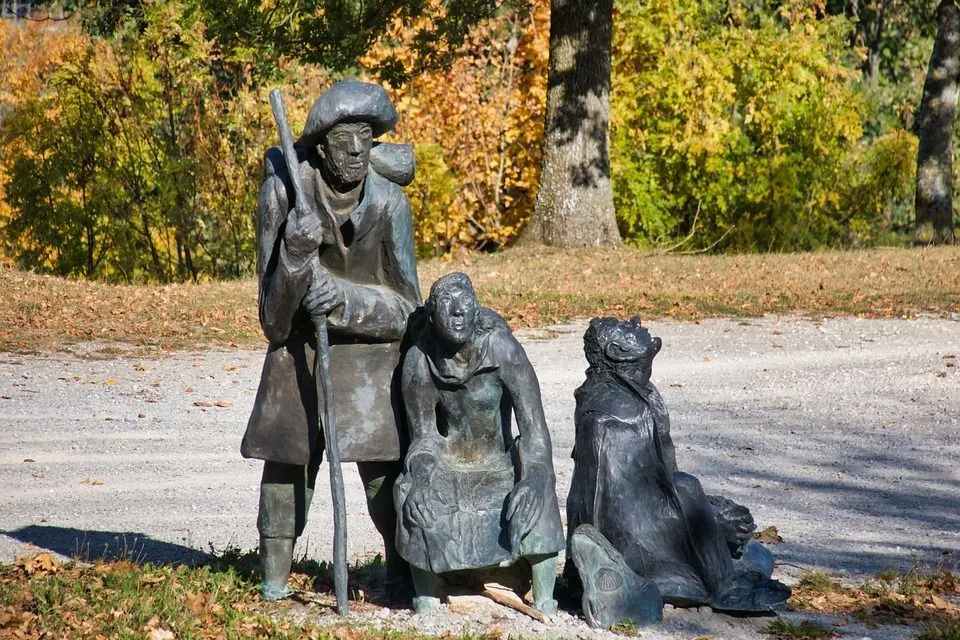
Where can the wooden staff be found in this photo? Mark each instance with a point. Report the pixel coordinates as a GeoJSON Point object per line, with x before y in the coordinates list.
{"type": "Point", "coordinates": [321, 369]}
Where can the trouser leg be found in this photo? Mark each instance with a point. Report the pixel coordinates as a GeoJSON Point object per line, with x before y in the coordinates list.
{"type": "Point", "coordinates": [544, 577]}
{"type": "Point", "coordinates": [285, 494]}
{"type": "Point", "coordinates": [378, 479]}
{"type": "Point", "coordinates": [428, 588]}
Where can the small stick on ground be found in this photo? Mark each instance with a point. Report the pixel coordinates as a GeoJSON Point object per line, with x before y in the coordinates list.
{"type": "Point", "coordinates": [508, 598]}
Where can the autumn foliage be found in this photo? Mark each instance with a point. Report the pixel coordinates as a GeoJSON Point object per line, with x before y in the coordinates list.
{"type": "Point", "coordinates": [133, 158]}
{"type": "Point", "coordinates": [477, 126]}
{"type": "Point", "coordinates": [137, 156]}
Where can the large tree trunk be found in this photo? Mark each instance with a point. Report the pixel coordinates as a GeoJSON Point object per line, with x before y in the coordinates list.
{"type": "Point", "coordinates": [575, 202]}
{"type": "Point", "coordinates": [938, 108]}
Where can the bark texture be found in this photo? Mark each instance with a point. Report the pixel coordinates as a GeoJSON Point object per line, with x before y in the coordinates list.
{"type": "Point", "coordinates": [938, 108]}
{"type": "Point", "coordinates": [575, 203]}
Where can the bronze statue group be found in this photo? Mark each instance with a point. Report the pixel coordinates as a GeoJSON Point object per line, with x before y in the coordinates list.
{"type": "Point", "coordinates": [441, 410]}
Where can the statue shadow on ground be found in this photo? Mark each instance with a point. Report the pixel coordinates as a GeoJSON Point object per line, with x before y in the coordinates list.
{"type": "Point", "coordinates": [923, 498]}
{"type": "Point", "coordinates": [90, 545]}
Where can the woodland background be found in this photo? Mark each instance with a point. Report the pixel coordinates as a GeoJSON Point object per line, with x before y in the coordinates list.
{"type": "Point", "coordinates": [132, 135]}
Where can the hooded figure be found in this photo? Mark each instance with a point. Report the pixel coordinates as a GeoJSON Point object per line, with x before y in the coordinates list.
{"type": "Point", "coordinates": [643, 514]}
{"type": "Point", "coordinates": [366, 294]}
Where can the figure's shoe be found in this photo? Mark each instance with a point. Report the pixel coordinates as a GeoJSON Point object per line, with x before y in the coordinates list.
{"type": "Point", "coordinates": [612, 592]}
{"type": "Point", "coordinates": [271, 592]}
{"type": "Point", "coordinates": [750, 592]}
{"type": "Point", "coordinates": [547, 607]}
{"type": "Point", "coordinates": [276, 556]}
{"type": "Point", "coordinates": [425, 605]}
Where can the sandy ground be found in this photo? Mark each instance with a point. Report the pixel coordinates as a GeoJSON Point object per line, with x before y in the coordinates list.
{"type": "Point", "coordinates": [842, 433]}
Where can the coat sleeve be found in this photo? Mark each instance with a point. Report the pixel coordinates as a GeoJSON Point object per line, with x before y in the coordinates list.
{"type": "Point", "coordinates": [662, 421]}
{"type": "Point", "coordinates": [381, 311]}
{"type": "Point", "coordinates": [520, 381]}
{"type": "Point", "coordinates": [420, 400]}
{"type": "Point", "coordinates": [282, 282]}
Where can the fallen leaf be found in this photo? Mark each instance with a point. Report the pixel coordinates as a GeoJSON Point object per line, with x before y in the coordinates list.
{"type": "Point", "coordinates": [42, 563]}
{"type": "Point", "coordinates": [92, 482]}
{"type": "Point", "coordinates": [161, 634]}
{"type": "Point", "coordinates": [196, 602]}
{"type": "Point", "coordinates": [770, 535]}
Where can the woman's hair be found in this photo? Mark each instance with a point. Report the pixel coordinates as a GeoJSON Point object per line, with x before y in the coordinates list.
{"type": "Point", "coordinates": [443, 284]}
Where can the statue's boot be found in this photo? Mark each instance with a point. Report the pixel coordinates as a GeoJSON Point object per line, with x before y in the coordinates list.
{"type": "Point", "coordinates": [543, 571]}
{"type": "Point", "coordinates": [750, 592]}
{"type": "Point", "coordinates": [612, 592]}
{"type": "Point", "coordinates": [428, 591]}
{"type": "Point", "coordinates": [276, 556]}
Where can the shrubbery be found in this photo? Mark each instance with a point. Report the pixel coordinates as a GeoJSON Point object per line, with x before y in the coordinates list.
{"type": "Point", "coordinates": [745, 130]}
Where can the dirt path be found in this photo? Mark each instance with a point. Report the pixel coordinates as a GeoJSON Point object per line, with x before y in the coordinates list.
{"type": "Point", "coordinates": [844, 434]}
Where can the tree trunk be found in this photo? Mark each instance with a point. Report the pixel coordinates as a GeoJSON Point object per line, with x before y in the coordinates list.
{"type": "Point", "coordinates": [938, 108]}
{"type": "Point", "coordinates": [575, 203]}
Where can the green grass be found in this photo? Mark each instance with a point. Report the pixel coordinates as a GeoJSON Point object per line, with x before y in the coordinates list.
{"type": "Point", "coordinates": [946, 630]}
{"type": "Point", "coordinates": [625, 628]}
{"type": "Point", "coordinates": [805, 630]}
{"type": "Point", "coordinates": [818, 582]}
{"type": "Point", "coordinates": [121, 599]}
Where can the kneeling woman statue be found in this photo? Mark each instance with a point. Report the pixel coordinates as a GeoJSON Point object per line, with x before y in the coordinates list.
{"type": "Point", "coordinates": [472, 496]}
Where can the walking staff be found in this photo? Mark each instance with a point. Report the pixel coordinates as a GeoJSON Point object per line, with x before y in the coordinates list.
{"type": "Point", "coordinates": [321, 370]}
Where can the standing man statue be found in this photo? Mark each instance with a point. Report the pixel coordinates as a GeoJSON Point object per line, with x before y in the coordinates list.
{"type": "Point", "coordinates": [366, 293]}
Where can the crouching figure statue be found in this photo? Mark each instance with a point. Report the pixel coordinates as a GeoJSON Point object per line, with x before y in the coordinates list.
{"type": "Point", "coordinates": [472, 496]}
{"type": "Point", "coordinates": [633, 517]}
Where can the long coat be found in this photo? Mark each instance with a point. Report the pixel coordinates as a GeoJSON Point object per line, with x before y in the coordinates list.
{"type": "Point", "coordinates": [626, 484]}
{"type": "Point", "coordinates": [379, 281]}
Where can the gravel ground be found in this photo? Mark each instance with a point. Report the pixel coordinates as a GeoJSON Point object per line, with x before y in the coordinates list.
{"type": "Point", "coordinates": [842, 433]}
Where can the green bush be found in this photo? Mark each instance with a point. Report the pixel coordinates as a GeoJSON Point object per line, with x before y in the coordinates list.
{"type": "Point", "coordinates": [745, 129]}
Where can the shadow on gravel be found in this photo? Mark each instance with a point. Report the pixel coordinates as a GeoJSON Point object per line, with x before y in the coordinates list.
{"type": "Point", "coordinates": [90, 545]}
{"type": "Point", "coordinates": [894, 497]}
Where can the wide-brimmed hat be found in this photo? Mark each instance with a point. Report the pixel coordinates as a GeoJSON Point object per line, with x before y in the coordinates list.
{"type": "Point", "coordinates": [349, 101]}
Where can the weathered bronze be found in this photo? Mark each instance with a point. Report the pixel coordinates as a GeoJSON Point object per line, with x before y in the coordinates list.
{"type": "Point", "coordinates": [696, 549]}
{"type": "Point", "coordinates": [472, 495]}
{"type": "Point", "coordinates": [343, 250]}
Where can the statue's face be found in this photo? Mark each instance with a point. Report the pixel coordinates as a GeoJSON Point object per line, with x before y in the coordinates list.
{"type": "Point", "coordinates": [454, 315]}
{"type": "Point", "coordinates": [632, 353]}
{"type": "Point", "coordinates": [345, 152]}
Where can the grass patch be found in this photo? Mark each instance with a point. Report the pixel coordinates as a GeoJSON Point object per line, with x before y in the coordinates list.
{"type": "Point", "coordinates": [42, 598]}
{"type": "Point", "coordinates": [889, 598]}
{"type": "Point", "coordinates": [805, 630]}
{"type": "Point", "coordinates": [818, 582]}
{"type": "Point", "coordinates": [531, 287]}
{"type": "Point", "coordinates": [948, 630]}
{"type": "Point", "coordinates": [625, 628]}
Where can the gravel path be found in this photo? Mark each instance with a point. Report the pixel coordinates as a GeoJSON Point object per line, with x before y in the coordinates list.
{"type": "Point", "coordinates": [842, 433]}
